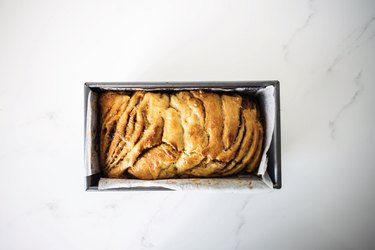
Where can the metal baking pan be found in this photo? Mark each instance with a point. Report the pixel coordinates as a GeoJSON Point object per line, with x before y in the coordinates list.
{"type": "Point", "coordinates": [274, 152]}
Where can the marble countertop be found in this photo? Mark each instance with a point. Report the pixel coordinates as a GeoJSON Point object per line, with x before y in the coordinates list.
{"type": "Point", "coordinates": [323, 54]}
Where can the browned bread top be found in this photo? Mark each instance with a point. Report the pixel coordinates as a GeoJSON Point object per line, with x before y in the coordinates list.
{"type": "Point", "coordinates": [155, 135]}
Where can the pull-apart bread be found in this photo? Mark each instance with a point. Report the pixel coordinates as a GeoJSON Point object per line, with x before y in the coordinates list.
{"type": "Point", "coordinates": [158, 135]}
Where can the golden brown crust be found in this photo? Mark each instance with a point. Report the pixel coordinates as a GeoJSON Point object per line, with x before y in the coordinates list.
{"type": "Point", "coordinates": [173, 131]}
{"type": "Point", "coordinates": [155, 163]}
{"type": "Point", "coordinates": [213, 122]}
{"type": "Point", "coordinates": [154, 135]}
{"type": "Point", "coordinates": [111, 106]}
{"type": "Point", "coordinates": [231, 114]}
{"type": "Point", "coordinates": [124, 132]}
{"type": "Point", "coordinates": [194, 135]}
{"type": "Point", "coordinates": [236, 164]}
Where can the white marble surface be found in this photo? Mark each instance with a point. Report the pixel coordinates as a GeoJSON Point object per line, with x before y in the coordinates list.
{"type": "Point", "coordinates": [322, 52]}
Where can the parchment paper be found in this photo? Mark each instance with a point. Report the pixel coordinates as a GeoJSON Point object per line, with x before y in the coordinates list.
{"type": "Point", "coordinates": [210, 184]}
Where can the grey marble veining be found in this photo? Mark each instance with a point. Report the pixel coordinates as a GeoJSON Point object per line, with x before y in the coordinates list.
{"type": "Point", "coordinates": [312, 13]}
{"type": "Point", "coordinates": [354, 43]}
{"type": "Point", "coordinates": [353, 98]}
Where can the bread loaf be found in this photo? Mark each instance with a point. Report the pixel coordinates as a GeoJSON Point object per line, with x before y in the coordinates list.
{"type": "Point", "coordinates": [157, 135]}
